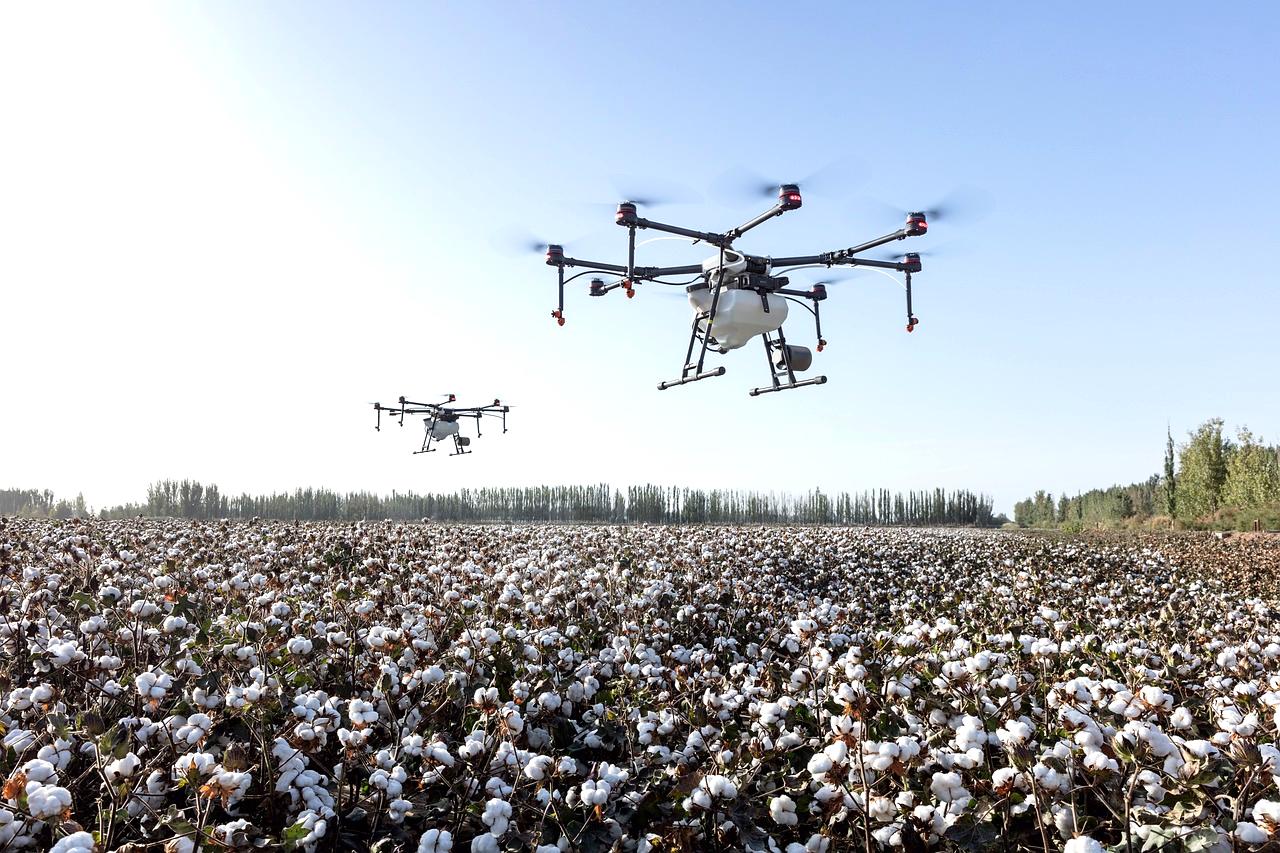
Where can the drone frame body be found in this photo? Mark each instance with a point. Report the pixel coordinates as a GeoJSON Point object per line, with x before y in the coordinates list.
{"type": "Point", "coordinates": [442, 413]}
{"type": "Point", "coordinates": [746, 272]}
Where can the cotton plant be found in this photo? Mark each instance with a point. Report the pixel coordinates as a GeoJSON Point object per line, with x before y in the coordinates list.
{"type": "Point", "coordinates": [484, 688]}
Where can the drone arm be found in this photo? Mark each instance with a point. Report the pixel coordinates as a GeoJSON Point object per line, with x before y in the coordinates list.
{"type": "Point", "coordinates": [651, 273]}
{"type": "Point", "coordinates": [594, 265]}
{"type": "Point", "coordinates": [776, 210]}
{"type": "Point", "coordinates": [704, 236]}
{"type": "Point", "coordinates": [427, 408]}
{"type": "Point", "coordinates": [846, 256]}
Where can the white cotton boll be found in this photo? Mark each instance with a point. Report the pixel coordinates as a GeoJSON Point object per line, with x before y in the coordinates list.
{"type": "Point", "coordinates": [596, 793]}
{"type": "Point", "coordinates": [1266, 813]}
{"type": "Point", "coordinates": [971, 736]}
{"type": "Point", "coordinates": [979, 662]}
{"type": "Point", "coordinates": [886, 836]}
{"type": "Point", "coordinates": [496, 816]}
{"type": "Point", "coordinates": [362, 713]}
{"type": "Point", "coordinates": [1015, 733]}
{"type": "Point", "coordinates": [819, 766]}
{"type": "Point", "coordinates": [882, 809]}
{"type": "Point", "coordinates": [1200, 748]}
{"type": "Point", "coordinates": [720, 786]}
{"type": "Point", "coordinates": [1249, 833]}
{"type": "Point", "coordinates": [815, 844]}
{"type": "Point", "coordinates": [837, 751]}
{"type": "Point", "coordinates": [38, 770]}
{"type": "Point", "coordinates": [62, 654]}
{"type": "Point", "coordinates": [76, 842]}
{"type": "Point", "coordinates": [512, 720]}
{"type": "Point", "coordinates": [484, 843]}
{"type": "Point", "coordinates": [193, 763]}
{"type": "Point", "coordinates": [435, 841]}
{"type": "Point", "coordinates": [698, 797]}
{"type": "Point", "coordinates": [1050, 779]}
{"type": "Point", "coordinates": [1005, 779]}
{"type": "Point", "coordinates": [538, 767]}
{"type": "Point", "coordinates": [299, 646]}
{"type": "Point", "coordinates": [949, 788]}
{"type": "Point", "coordinates": [1155, 698]}
{"type": "Point", "coordinates": [19, 739]}
{"type": "Point", "coordinates": [1082, 844]}
{"type": "Point", "coordinates": [153, 685]}
{"type": "Point", "coordinates": [46, 801]}
{"type": "Point", "coordinates": [783, 810]}
{"type": "Point", "coordinates": [122, 768]}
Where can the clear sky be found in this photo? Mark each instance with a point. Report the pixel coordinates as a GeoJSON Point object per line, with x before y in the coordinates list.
{"type": "Point", "coordinates": [225, 229]}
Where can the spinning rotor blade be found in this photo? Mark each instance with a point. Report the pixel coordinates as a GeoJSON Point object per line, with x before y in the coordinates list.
{"type": "Point", "coordinates": [841, 279]}
{"type": "Point", "coordinates": [743, 186]}
{"type": "Point", "coordinates": [647, 192]}
{"type": "Point", "coordinates": [517, 242]}
{"type": "Point", "coordinates": [960, 206]}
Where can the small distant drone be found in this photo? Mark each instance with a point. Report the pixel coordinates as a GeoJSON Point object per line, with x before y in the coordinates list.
{"type": "Point", "coordinates": [442, 420]}
{"type": "Point", "coordinates": [736, 296]}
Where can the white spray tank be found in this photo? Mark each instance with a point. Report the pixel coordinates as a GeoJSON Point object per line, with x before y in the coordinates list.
{"type": "Point", "coordinates": [740, 314]}
{"type": "Point", "coordinates": [443, 429]}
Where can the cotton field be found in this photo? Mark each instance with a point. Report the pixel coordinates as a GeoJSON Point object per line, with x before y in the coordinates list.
{"type": "Point", "coordinates": [172, 685]}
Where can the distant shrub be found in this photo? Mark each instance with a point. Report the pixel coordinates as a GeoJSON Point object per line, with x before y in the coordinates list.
{"type": "Point", "coordinates": [1243, 518]}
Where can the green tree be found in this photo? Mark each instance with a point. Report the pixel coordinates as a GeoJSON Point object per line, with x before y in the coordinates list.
{"type": "Point", "coordinates": [1253, 473]}
{"type": "Point", "coordinates": [1203, 470]}
{"type": "Point", "coordinates": [1170, 484]}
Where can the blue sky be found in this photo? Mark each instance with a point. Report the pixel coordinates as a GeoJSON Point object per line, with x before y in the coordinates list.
{"type": "Point", "coordinates": [232, 226]}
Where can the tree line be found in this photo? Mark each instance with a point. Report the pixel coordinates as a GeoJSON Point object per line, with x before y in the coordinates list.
{"type": "Point", "coordinates": [40, 503]}
{"type": "Point", "coordinates": [1210, 480]}
{"type": "Point", "coordinates": [596, 503]}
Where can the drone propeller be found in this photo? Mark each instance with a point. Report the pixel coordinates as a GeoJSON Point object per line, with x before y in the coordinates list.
{"type": "Point", "coordinates": [647, 192]}
{"type": "Point", "coordinates": [827, 282]}
{"type": "Point", "coordinates": [517, 242]}
{"type": "Point", "coordinates": [897, 258]}
{"type": "Point", "coordinates": [961, 205]}
{"type": "Point", "coordinates": [743, 186]}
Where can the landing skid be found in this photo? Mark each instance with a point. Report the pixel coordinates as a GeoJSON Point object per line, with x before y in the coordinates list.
{"type": "Point", "coordinates": [686, 378]}
{"type": "Point", "coordinates": [781, 372]}
{"type": "Point", "coordinates": [693, 370]}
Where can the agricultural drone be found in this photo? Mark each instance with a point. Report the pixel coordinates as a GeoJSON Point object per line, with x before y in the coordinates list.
{"type": "Point", "coordinates": [442, 420]}
{"type": "Point", "coordinates": [737, 296]}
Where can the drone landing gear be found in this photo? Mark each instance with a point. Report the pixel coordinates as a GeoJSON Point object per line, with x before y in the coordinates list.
{"type": "Point", "coordinates": [426, 441]}
{"type": "Point", "coordinates": [789, 360]}
{"type": "Point", "coordinates": [693, 370]}
{"type": "Point", "coordinates": [460, 445]}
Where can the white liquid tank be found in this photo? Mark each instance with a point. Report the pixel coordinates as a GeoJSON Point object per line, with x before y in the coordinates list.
{"type": "Point", "coordinates": [740, 314]}
{"type": "Point", "coordinates": [443, 429]}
